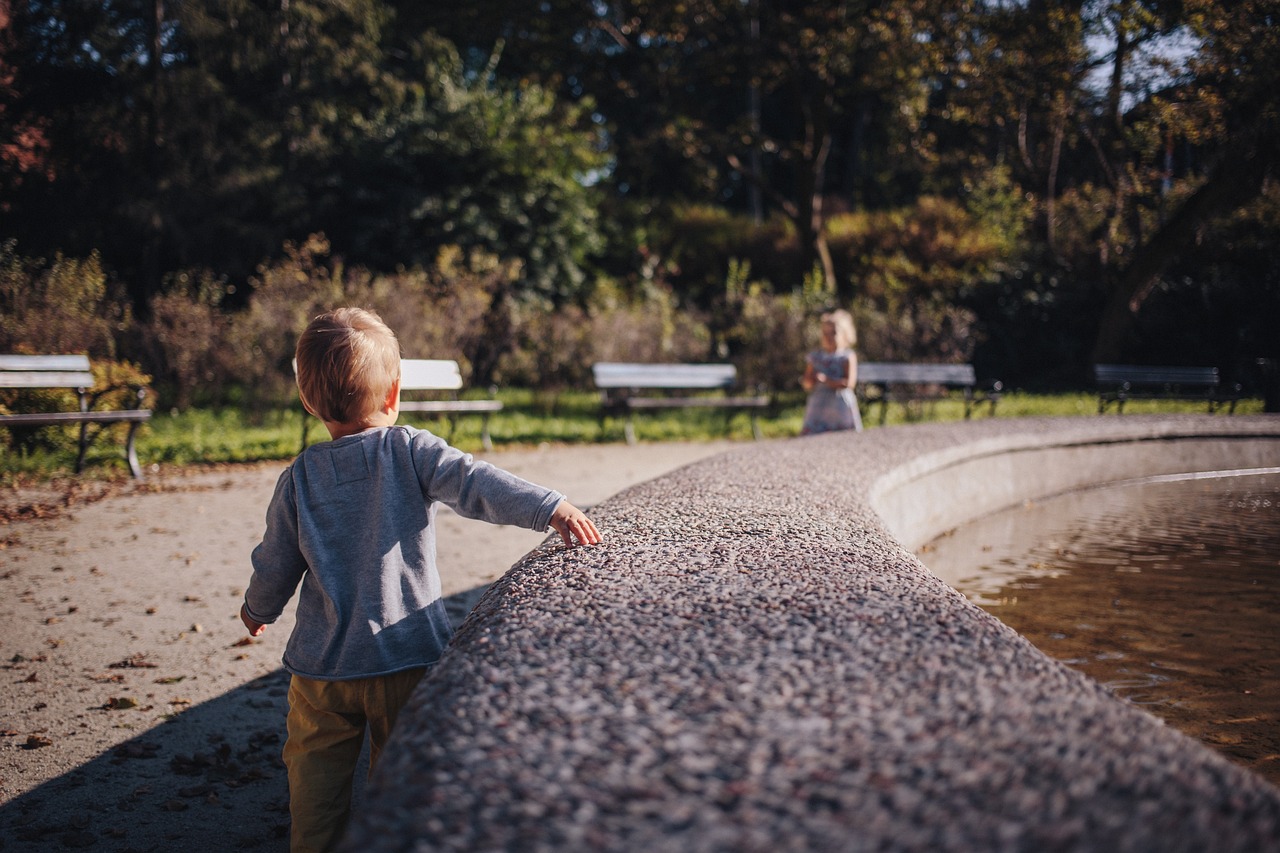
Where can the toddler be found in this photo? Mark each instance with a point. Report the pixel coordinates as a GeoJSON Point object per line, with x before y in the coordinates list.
{"type": "Point", "coordinates": [351, 521]}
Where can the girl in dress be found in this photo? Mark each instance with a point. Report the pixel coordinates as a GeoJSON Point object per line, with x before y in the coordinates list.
{"type": "Point", "coordinates": [829, 376]}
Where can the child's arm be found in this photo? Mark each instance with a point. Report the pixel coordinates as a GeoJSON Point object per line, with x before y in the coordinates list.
{"type": "Point", "coordinates": [255, 627]}
{"type": "Point", "coordinates": [851, 372]}
{"type": "Point", "coordinates": [568, 519]}
{"type": "Point", "coordinates": [810, 378]}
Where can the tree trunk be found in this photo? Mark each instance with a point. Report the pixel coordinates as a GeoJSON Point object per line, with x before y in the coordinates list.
{"type": "Point", "coordinates": [1236, 181]}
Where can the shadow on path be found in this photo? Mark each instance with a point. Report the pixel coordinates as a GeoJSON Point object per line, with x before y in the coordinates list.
{"type": "Point", "coordinates": [208, 779]}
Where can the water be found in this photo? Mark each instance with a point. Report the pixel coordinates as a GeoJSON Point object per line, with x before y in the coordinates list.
{"type": "Point", "coordinates": [1165, 590]}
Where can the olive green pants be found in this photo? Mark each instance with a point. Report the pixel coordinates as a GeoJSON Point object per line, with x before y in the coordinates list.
{"type": "Point", "coordinates": [326, 725]}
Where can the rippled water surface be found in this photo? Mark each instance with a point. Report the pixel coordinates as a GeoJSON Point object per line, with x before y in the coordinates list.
{"type": "Point", "coordinates": [1165, 590]}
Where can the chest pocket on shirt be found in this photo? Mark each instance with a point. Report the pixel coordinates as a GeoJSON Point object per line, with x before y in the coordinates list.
{"type": "Point", "coordinates": [349, 464]}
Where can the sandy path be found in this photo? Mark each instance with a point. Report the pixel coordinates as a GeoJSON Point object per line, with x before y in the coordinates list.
{"type": "Point", "coordinates": [136, 713]}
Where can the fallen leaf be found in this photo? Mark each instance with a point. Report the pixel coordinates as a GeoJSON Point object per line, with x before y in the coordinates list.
{"type": "Point", "coordinates": [138, 661]}
{"type": "Point", "coordinates": [37, 741]}
{"type": "Point", "coordinates": [120, 703]}
{"type": "Point", "coordinates": [30, 679]}
{"type": "Point", "coordinates": [243, 641]}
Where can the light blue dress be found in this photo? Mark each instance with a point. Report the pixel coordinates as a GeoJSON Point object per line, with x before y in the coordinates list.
{"type": "Point", "coordinates": [829, 409]}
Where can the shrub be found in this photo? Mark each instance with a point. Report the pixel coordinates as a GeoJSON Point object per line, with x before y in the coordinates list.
{"type": "Point", "coordinates": [67, 305]}
{"type": "Point", "coordinates": [907, 269]}
{"type": "Point", "coordinates": [185, 340]}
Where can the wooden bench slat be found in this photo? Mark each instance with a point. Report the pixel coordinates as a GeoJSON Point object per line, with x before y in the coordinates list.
{"type": "Point", "coordinates": [429, 374]}
{"type": "Point", "coordinates": [658, 376]}
{"type": "Point", "coordinates": [44, 379]}
{"type": "Point", "coordinates": [760, 402]}
{"type": "Point", "coordinates": [52, 418]}
{"type": "Point", "coordinates": [63, 363]}
{"type": "Point", "coordinates": [916, 373]}
{"type": "Point", "coordinates": [450, 406]}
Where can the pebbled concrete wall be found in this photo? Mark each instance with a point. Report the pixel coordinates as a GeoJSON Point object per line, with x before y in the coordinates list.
{"type": "Point", "coordinates": [755, 661]}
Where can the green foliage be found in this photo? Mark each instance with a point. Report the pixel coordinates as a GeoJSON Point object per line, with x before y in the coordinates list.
{"type": "Point", "coordinates": [66, 305]}
{"type": "Point", "coordinates": [768, 333]}
{"type": "Point", "coordinates": [907, 269]}
{"type": "Point", "coordinates": [913, 152]}
{"type": "Point", "coordinates": [463, 159]}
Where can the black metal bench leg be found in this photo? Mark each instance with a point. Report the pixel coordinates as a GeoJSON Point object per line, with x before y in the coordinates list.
{"type": "Point", "coordinates": [131, 451]}
{"type": "Point", "coordinates": [84, 446]}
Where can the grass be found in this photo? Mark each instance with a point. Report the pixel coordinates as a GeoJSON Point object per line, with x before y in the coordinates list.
{"type": "Point", "coordinates": [529, 419]}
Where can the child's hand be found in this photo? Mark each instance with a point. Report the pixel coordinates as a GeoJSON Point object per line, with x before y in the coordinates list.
{"type": "Point", "coordinates": [569, 522]}
{"type": "Point", "coordinates": [255, 628]}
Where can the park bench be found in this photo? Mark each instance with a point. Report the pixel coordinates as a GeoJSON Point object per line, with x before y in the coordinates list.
{"type": "Point", "coordinates": [441, 376]}
{"type": "Point", "coordinates": [72, 372]}
{"type": "Point", "coordinates": [884, 382]}
{"type": "Point", "coordinates": [1117, 383]}
{"type": "Point", "coordinates": [626, 388]}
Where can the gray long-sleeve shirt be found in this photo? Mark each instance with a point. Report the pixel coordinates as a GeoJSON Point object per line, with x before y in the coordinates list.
{"type": "Point", "coordinates": [352, 521]}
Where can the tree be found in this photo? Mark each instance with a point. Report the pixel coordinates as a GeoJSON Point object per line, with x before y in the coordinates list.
{"type": "Point", "coordinates": [760, 106]}
{"type": "Point", "coordinates": [185, 134]}
{"type": "Point", "coordinates": [1230, 91]}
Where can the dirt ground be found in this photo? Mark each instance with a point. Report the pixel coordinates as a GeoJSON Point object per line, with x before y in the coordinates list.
{"type": "Point", "coordinates": [137, 714]}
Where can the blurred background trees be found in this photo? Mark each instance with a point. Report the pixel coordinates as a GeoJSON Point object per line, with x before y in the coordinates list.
{"type": "Point", "coordinates": [1033, 185]}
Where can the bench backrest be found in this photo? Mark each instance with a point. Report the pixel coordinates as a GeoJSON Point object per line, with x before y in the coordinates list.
{"type": "Point", "coordinates": [45, 371]}
{"type": "Point", "coordinates": [429, 374]}
{"type": "Point", "coordinates": [891, 372]}
{"type": "Point", "coordinates": [1141, 374]}
{"type": "Point", "coordinates": [424, 374]}
{"type": "Point", "coordinates": [626, 375]}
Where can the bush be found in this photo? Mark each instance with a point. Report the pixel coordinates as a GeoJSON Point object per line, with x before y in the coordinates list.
{"type": "Point", "coordinates": [907, 270]}
{"type": "Point", "coordinates": [185, 340]}
{"type": "Point", "coordinates": [64, 306]}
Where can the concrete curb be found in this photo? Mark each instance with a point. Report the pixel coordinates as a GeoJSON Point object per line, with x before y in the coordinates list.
{"type": "Point", "coordinates": [756, 661]}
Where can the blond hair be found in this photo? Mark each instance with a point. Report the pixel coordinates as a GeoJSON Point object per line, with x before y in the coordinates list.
{"type": "Point", "coordinates": [846, 333]}
{"type": "Point", "coordinates": [348, 360]}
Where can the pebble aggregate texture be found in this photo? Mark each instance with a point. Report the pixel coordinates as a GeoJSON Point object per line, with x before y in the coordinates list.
{"type": "Point", "coordinates": [751, 662]}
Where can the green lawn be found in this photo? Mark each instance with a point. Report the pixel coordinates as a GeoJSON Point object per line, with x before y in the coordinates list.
{"type": "Point", "coordinates": [529, 418]}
